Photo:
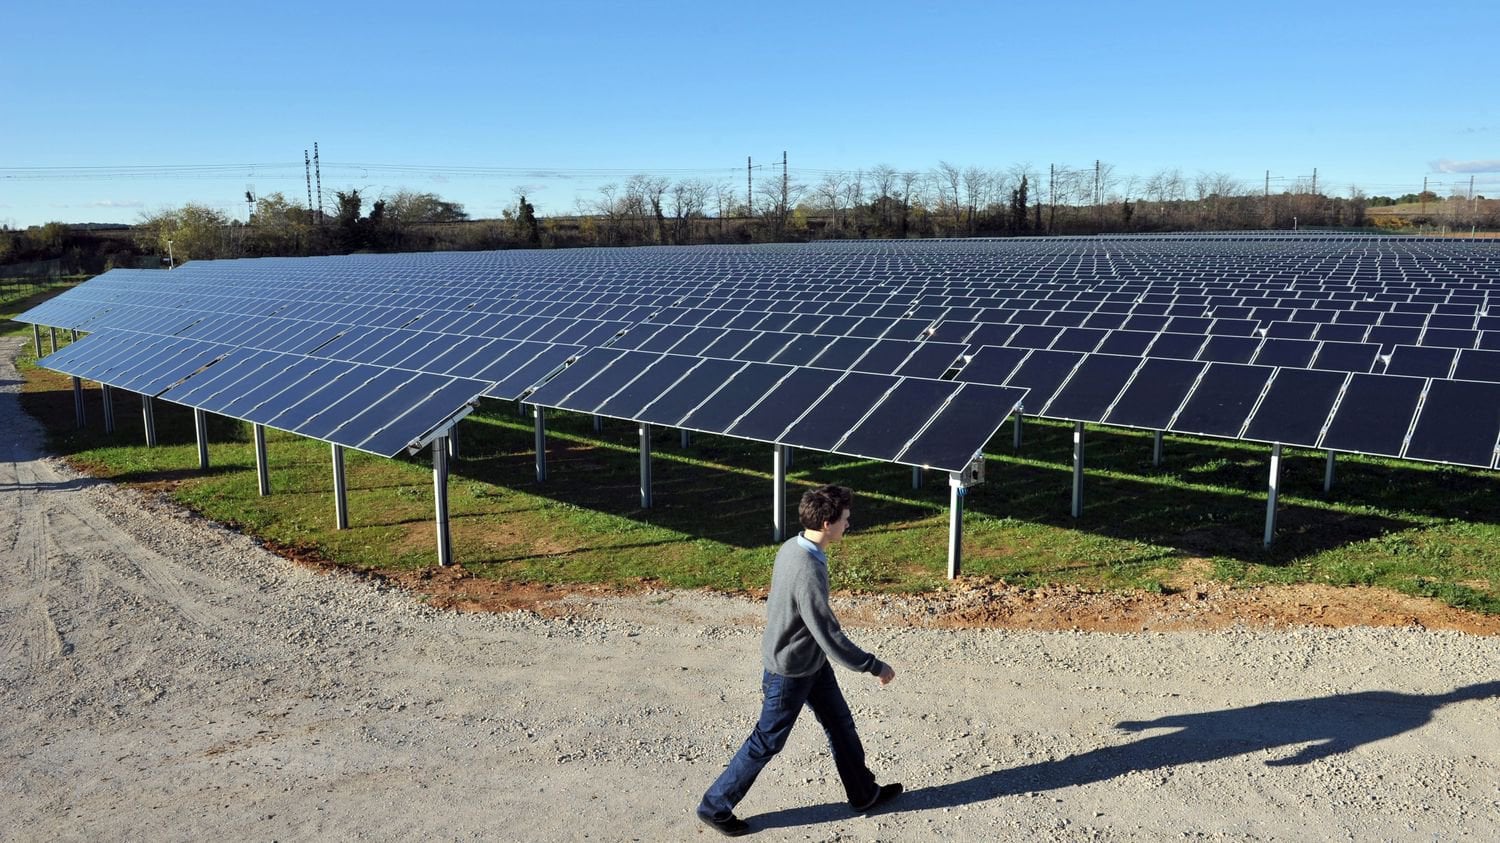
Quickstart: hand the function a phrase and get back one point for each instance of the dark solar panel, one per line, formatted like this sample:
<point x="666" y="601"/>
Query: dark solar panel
<point x="1092" y="388"/>
<point x="977" y="410"/>
<point x="1296" y="407"/>
<point x="1421" y="361"/>
<point x="992" y="364"/>
<point x="784" y="404"/>
<point x="693" y="389"/>
<point x="1374" y="415"/>
<point x="1459" y="423"/>
<point x="1042" y="372"/>
<point x="1153" y="396"/>
<point x="1222" y="400"/>
<point x="839" y="409"/>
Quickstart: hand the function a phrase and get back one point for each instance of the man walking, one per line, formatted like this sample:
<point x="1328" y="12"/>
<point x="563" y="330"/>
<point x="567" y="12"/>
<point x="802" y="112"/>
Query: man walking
<point x="801" y="636"/>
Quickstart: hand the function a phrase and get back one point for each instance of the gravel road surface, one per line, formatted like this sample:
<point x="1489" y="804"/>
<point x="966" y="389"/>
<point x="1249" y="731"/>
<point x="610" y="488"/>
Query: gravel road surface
<point x="162" y="678"/>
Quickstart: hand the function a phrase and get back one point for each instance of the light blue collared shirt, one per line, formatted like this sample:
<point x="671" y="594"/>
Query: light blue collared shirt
<point x="812" y="548"/>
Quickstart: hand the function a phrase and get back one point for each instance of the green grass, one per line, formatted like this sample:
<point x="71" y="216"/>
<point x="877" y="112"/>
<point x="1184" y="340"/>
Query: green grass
<point x="1422" y="530"/>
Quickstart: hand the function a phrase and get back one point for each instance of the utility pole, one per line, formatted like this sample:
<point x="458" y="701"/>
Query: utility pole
<point x="784" y="198"/>
<point x="318" y="172"/>
<point x="749" y="190"/>
<point x="1424" y="196"/>
<point x="307" y="171"/>
<point x="1315" y="181"/>
<point x="1051" y="196"/>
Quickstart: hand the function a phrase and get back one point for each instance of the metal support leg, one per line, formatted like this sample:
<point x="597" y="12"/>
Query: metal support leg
<point x="1273" y="487"/>
<point x="916" y="477"/>
<point x="52" y="332"/>
<point x="1017" y="443"/>
<point x="778" y="494"/>
<point x="78" y="401"/>
<point x="107" y="398"/>
<point x="440" y="499"/>
<point x="1328" y="474"/>
<point x="957" y="491"/>
<point x="598" y="424"/>
<point x="645" y="466"/>
<point x="1156" y="449"/>
<point x="340" y="491"/>
<point x="789" y="452"/>
<point x="148" y="419"/>
<point x="73" y="333"/>
<point x="1077" y="469"/>
<point x="452" y="438"/>
<point x="262" y="472"/>
<point x="200" y="429"/>
<point x="687" y="438"/>
<point x="36" y="339"/>
<point x="541" y="445"/>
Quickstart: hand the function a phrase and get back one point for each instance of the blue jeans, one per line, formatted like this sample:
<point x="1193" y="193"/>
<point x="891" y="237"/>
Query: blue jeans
<point x="784" y="697"/>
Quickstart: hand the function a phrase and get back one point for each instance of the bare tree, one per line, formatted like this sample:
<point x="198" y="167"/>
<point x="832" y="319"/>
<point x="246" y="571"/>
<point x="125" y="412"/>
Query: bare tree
<point x="946" y="180"/>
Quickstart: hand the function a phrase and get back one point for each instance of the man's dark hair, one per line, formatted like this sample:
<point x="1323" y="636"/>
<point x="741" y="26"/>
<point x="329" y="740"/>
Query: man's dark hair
<point x="823" y="505"/>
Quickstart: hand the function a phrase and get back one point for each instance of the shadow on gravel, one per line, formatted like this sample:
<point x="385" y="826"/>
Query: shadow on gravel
<point x="1327" y="725"/>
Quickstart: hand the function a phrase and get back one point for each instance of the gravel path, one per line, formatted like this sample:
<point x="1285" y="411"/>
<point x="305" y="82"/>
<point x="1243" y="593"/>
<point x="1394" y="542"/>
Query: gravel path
<point x="162" y="678"/>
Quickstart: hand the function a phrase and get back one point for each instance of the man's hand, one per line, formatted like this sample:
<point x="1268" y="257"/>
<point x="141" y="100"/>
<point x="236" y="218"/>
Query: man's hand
<point x="887" y="675"/>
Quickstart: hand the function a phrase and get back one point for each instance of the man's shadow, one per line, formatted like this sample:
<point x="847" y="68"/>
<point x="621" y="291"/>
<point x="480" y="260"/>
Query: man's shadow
<point x="1327" y="725"/>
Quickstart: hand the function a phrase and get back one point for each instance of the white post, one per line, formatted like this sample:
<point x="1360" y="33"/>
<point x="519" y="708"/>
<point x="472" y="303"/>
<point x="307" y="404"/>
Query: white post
<point x="452" y="438"/>
<point x="200" y="428"/>
<point x="645" y="466"/>
<point x="440" y="499"/>
<point x="108" y="400"/>
<point x="340" y="492"/>
<point x="36" y="339"/>
<point x="541" y="446"/>
<point x="262" y="472"/>
<point x="78" y="401"/>
<point x="778" y="493"/>
<point x="1077" y="469"/>
<point x="148" y="419"/>
<point x="956" y="494"/>
<point x="1272" y="488"/>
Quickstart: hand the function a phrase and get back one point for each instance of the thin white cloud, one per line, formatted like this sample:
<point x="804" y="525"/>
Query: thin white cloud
<point x="116" y="203"/>
<point x="1491" y="165"/>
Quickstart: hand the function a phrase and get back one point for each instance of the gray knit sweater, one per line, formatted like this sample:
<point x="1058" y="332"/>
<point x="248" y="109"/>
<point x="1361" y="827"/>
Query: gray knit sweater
<point x="801" y="631"/>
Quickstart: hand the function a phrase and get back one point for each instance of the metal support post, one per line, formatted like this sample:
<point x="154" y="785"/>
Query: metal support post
<point x="1328" y="474"/>
<point x="452" y="438"/>
<point x="78" y="401"/>
<point x="440" y="499"/>
<point x="778" y="493"/>
<point x="645" y="466"/>
<point x="687" y="438"/>
<point x="541" y="445"/>
<point x="1077" y="469"/>
<point x="598" y="424"/>
<point x="107" y="398"/>
<point x="36" y="339"/>
<point x="262" y="472"/>
<point x="1273" y="487"/>
<point x="52" y="332"/>
<point x="73" y="332"/>
<point x="916" y="477"/>
<point x="340" y="490"/>
<point x="1156" y="449"/>
<point x="148" y="420"/>
<point x="200" y="429"/>
<point x="957" y="491"/>
<point x="1017" y="442"/>
<point x="789" y="451"/>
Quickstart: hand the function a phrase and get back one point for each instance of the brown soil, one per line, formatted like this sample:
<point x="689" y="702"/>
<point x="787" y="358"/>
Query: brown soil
<point x="979" y="603"/>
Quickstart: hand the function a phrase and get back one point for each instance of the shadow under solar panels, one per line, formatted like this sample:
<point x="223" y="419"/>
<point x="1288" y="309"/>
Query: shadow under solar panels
<point x="1223" y="398"/>
<point x="1374" y="415"/>
<point x="1459" y="423"/>
<point x="892" y="424"/>
<point x="691" y="390"/>
<point x="1296" y="407"/>
<point x="748" y="386"/>
<point x="1153" y="397"/>
<point x="961" y="428"/>
<point x="784" y="404"/>
<point x="1095" y="384"/>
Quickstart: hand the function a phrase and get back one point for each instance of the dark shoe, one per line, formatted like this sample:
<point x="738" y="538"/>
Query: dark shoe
<point x="731" y="827"/>
<point x="886" y="793"/>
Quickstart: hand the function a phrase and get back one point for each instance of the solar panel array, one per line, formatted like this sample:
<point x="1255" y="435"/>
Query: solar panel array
<point x="908" y="351"/>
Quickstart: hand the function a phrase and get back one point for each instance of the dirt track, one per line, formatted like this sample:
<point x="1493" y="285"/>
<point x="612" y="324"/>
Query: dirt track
<point x="165" y="679"/>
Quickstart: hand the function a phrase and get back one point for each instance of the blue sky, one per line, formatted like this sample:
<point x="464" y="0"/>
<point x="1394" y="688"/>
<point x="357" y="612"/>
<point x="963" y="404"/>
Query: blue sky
<point x="475" y="101"/>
